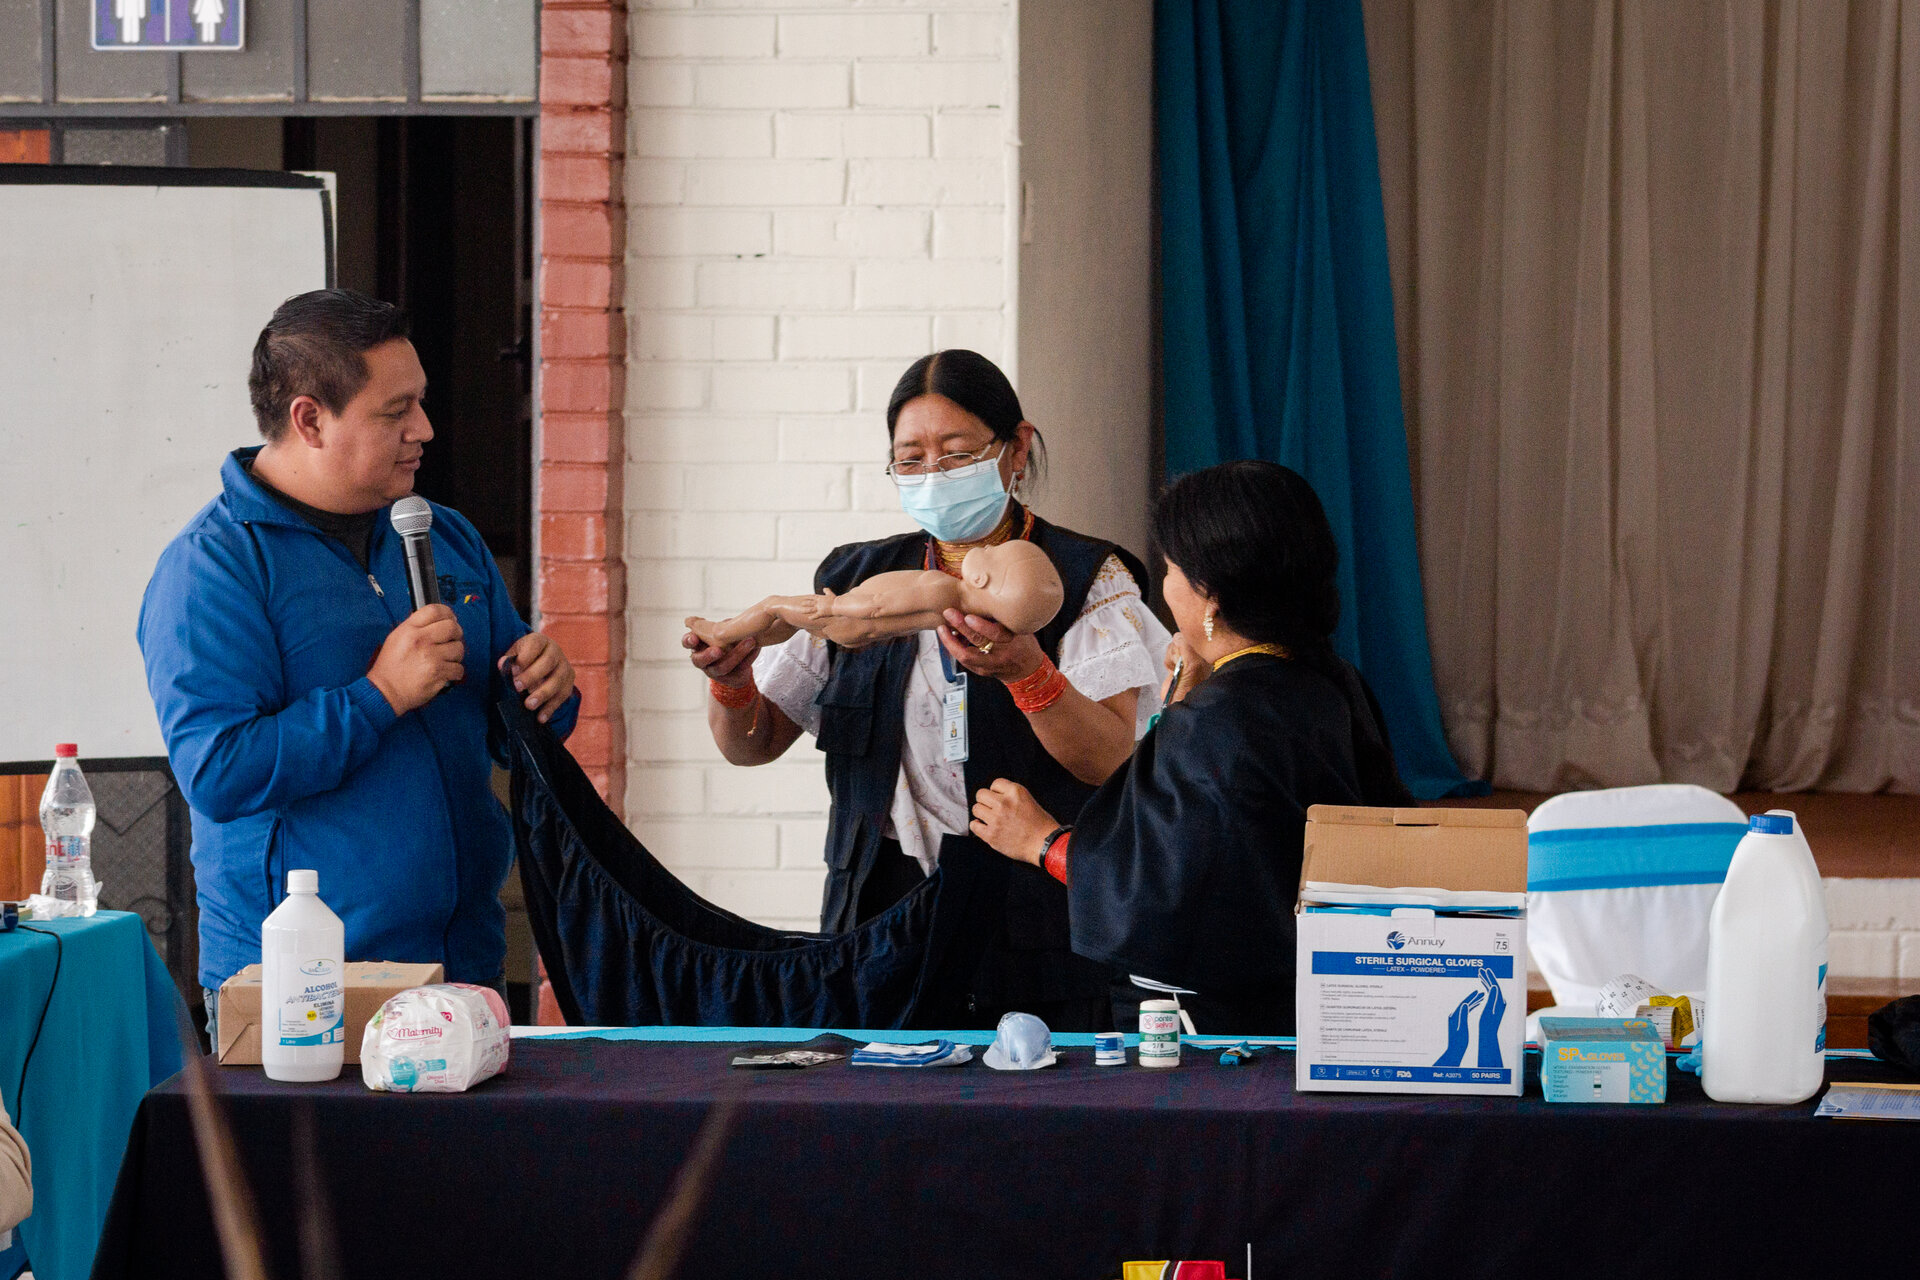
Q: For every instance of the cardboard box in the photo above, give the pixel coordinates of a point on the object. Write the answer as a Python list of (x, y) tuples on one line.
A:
[(1392, 998), (1602, 1060), (369, 984)]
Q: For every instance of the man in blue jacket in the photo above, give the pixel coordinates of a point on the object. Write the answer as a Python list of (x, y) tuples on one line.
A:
[(312, 717)]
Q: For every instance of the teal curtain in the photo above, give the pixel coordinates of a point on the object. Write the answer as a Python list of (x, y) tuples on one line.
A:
[(1277, 311)]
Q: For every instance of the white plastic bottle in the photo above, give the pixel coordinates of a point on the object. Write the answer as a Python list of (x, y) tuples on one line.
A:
[(1159, 1033), (1765, 1037), (66, 819), (303, 997)]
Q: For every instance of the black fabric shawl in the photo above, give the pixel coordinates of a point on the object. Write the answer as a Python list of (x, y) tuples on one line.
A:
[(1185, 866), (627, 944)]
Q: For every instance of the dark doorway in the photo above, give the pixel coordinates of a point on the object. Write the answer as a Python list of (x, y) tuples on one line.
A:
[(435, 215)]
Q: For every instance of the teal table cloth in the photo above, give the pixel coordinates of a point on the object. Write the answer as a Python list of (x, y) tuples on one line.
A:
[(111, 1033)]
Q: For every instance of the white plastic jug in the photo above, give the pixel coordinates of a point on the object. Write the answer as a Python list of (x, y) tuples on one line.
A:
[(303, 993), (1765, 1037)]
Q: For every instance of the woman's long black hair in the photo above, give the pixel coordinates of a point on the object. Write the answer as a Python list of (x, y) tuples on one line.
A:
[(976, 384), (1254, 537)]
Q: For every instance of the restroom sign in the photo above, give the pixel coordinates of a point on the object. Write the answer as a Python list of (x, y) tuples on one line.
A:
[(210, 25)]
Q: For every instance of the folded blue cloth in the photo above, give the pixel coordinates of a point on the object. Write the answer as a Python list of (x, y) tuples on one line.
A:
[(940, 1053)]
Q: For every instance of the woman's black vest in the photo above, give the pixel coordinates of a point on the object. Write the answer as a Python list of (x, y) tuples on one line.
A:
[(862, 718)]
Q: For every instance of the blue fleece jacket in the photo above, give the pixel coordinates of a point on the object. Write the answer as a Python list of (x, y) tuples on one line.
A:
[(258, 631)]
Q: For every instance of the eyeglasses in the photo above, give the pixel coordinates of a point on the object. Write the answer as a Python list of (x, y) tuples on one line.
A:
[(916, 470)]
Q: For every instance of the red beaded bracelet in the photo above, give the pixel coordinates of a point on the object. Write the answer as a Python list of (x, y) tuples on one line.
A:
[(734, 699), (1040, 690)]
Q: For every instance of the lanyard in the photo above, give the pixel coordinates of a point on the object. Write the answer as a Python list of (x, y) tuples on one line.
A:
[(953, 708)]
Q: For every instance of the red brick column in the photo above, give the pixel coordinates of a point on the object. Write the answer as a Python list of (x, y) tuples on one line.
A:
[(582, 440)]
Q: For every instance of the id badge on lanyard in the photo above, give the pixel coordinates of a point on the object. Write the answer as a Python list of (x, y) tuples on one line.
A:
[(953, 710)]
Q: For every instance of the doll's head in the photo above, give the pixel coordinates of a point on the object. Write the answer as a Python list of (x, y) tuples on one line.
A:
[(1020, 588)]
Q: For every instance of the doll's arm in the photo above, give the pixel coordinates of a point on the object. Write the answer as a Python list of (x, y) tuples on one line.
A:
[(857, 633)]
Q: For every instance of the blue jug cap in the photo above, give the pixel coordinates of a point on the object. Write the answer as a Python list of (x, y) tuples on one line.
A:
[(1771, 824)]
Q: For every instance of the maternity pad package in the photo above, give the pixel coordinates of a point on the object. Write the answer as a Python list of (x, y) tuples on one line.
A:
[(440, 1039), (1412, 952)]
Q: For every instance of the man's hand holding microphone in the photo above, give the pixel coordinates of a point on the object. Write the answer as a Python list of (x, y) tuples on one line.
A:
[(427, 652), (420, 657)]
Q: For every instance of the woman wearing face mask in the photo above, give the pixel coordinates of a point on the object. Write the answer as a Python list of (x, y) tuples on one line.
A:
[(1183, 869), (911, 728)]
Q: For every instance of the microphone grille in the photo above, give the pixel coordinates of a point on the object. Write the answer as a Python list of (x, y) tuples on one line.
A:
[(412, 514)]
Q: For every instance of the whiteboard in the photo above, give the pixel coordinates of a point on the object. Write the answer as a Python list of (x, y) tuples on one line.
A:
[(130, 300)]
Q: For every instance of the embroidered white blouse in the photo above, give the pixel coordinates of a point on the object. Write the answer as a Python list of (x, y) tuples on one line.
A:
[(1116, 644)]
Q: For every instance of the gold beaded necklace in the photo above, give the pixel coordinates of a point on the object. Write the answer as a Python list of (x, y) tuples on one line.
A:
[(946, 556), (1273, 650)]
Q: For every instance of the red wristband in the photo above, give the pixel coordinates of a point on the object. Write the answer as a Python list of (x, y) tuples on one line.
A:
[(734, 699), (1055, 863), (1040, 690)]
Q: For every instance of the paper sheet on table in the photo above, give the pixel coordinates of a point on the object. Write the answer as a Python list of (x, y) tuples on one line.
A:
[(1871, 1102)]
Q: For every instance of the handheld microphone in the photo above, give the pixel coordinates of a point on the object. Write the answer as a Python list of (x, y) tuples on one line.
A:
[(412, 518)]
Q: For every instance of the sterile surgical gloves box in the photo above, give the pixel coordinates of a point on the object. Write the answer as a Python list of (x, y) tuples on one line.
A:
[(1602, 1060), (1411, 973)]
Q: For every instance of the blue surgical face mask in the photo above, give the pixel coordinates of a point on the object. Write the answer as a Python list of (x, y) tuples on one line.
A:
[(961, 505), (1021, 1043)]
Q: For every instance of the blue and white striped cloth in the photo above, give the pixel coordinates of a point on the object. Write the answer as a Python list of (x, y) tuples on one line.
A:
[(940, 1053)]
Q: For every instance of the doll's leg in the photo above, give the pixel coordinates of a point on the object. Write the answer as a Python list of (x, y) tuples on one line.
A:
[(763, 620)]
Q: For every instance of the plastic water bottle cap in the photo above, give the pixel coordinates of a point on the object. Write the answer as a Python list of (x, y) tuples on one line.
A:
[(1771, 824), (66, 751), (303, 880)]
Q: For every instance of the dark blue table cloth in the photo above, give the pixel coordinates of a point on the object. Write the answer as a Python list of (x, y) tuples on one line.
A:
[(110, 1035), (557, 1167)]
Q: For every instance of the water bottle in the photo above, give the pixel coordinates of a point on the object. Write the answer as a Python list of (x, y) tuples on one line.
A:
[(303, 994), (1765, 1037), (66, 817)]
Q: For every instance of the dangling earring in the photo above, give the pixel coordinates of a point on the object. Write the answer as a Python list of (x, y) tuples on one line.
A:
[(1209, 628)]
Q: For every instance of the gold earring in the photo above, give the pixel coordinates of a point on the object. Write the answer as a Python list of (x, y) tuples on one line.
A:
[(1209, 628)]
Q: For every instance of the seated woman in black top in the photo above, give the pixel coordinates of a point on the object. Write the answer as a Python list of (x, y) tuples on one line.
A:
[(1185, 866)]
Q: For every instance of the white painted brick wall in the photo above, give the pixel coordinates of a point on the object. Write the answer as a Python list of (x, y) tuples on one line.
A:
[(816, 196), (1875, 928)]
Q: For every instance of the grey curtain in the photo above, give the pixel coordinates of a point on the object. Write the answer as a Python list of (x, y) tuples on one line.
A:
[(1656, 270)]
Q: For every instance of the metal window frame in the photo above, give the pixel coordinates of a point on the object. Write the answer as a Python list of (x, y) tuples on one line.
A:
[(58, 127), (298, 104), (161, 110)]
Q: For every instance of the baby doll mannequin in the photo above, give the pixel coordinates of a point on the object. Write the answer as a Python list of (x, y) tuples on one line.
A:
[(1014, 584)]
